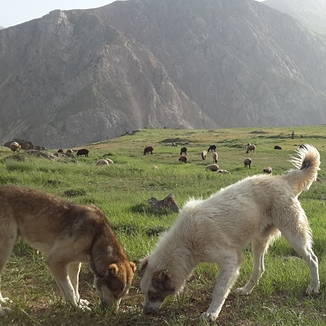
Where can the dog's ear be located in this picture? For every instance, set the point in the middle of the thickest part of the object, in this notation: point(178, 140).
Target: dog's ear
point(162, 280)
point(133, 266)
point(142, 266)
point(113, 269)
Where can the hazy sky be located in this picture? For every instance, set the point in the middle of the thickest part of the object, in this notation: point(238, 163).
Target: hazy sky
point(13, 12)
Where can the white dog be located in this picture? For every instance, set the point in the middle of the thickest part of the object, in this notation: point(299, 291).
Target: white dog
point(216, 230)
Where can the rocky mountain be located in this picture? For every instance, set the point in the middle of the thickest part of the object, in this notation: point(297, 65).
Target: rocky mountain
point(311, 13)
point(80, 76)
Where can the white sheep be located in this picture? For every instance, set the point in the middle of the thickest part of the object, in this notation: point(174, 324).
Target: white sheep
point(203, 155)
point(267, 170)
point(14, 146)
point(215, 157)
point(250, 147)
point(223, 171)
point(212, 167)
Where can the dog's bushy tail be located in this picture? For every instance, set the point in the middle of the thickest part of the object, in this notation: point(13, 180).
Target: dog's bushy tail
point(307, 166)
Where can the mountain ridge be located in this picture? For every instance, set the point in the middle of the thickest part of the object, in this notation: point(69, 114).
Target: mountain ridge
point(81, 76)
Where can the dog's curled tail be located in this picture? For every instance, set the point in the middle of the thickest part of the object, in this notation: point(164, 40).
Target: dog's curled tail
point(307, 163)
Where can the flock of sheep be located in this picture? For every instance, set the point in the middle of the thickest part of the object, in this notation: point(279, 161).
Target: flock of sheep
point(212, 148)
point(15, 146)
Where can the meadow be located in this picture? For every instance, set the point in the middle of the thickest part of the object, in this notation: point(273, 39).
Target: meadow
point(122, 190)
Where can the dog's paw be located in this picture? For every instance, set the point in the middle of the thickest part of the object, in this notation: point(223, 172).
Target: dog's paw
point(242, 291)
point(83, 304)
point(4, 310)
point(209, 316)
point(4, 300)
point(312, 289)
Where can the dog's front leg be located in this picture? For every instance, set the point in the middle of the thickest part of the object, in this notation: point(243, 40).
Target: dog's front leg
point(225, 280)
point(4, 310)
point(60, 274)
point(73, 272)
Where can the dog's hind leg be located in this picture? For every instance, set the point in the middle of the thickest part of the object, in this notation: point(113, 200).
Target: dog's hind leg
point(301, 243)
point(259, 249)
point(229, 271)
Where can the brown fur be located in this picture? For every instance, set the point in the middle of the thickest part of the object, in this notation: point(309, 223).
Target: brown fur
point(68, 234)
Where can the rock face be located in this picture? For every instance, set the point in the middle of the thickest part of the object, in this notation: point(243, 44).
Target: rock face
point(311, 13)
point(80, 76)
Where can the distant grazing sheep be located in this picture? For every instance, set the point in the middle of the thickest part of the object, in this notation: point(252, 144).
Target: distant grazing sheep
point(267, 170)
point(183, 150)
point(250, 147)
point(83, 151)
point(212, 167)
point(247, 162)
point(174, 145)
point(104, 161)
point(212, 148)
point(60, 150)
point(215, 157)
point(183, 158)
point(69, 151)
point(203, 155)
point(148, 149)
point(223, 171)
point(277, 147)
point(14, 146)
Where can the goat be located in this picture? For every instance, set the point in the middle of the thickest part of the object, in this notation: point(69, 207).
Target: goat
point(203, 155)
point(148, 149)
point(247, 162)
point(212, 148)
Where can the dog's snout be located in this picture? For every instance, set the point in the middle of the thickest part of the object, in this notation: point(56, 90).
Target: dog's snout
point(149, 311)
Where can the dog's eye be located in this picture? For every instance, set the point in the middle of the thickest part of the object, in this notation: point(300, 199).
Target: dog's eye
point(153, 296)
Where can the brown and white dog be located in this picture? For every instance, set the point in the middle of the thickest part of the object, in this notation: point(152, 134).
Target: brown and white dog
point(69, 234)
point(216, 230)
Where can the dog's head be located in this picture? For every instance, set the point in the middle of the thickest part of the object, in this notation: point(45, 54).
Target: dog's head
point(115, 283)
point(156, 285)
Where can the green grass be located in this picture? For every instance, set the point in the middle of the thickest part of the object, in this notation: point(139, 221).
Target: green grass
point(122, 191)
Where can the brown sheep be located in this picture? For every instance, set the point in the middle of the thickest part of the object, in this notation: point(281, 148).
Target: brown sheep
point(14, 146)
point(211, 148)
point(212, 167)
point(267, 170)
point(148, 149)
point(247, 162)
point(203, 155)
point(183, 158)
point(215, 157)
point(183, 150)
point(277, 147)
point(83, 151)
point(250, 147)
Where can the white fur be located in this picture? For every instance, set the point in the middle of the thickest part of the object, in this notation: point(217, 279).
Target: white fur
point(216, 230)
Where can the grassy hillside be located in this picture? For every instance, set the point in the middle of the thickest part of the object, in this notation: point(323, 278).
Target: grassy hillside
point(122, 191)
